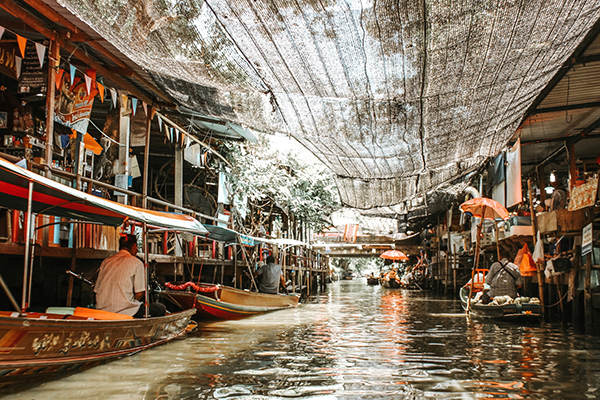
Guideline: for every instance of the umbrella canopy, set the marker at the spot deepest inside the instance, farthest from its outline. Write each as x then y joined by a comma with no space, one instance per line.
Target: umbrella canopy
482,207
395,255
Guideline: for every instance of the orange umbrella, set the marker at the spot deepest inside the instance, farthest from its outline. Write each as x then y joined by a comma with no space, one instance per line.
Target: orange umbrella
482,207
395,255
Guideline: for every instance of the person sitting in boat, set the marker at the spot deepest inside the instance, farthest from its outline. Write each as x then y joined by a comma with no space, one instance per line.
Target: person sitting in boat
121,283
271,277
504,279
408,278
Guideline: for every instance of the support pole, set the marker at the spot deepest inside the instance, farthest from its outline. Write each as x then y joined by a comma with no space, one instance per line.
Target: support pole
538,266
476,264
24,304
53,61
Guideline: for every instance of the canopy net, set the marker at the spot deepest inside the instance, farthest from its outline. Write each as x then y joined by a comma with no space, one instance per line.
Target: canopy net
401,99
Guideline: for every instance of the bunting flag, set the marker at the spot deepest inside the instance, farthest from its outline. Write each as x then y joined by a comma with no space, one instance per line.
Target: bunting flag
18,60
187,142
41,53
58,80
177,135
133,105
101,90
124,100
159,123
145,107
22,44
72,69
171,133
1,32
113,96
152,112
91,73
88,83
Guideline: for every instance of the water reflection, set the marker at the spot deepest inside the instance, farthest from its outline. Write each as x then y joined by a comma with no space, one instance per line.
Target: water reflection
352,342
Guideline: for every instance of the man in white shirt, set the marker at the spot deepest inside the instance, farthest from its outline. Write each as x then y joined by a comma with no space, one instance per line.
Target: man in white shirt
121,283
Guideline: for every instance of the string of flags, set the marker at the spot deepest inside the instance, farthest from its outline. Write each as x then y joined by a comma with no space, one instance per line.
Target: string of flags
91,83
172,131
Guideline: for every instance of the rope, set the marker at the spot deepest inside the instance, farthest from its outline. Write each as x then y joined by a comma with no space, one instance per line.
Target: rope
197,288
559,301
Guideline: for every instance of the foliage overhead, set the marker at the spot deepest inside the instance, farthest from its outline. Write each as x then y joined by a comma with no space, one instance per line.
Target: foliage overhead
263,177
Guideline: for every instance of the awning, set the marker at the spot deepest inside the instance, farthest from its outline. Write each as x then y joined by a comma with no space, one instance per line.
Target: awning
52,198
221,234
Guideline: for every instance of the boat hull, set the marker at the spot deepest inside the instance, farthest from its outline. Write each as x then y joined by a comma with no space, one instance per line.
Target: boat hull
48,344
504,311
230,303
390,284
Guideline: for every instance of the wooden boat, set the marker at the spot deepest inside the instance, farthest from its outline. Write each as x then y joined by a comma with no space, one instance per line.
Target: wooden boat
39,345
372,280
222,302
517,311
390,283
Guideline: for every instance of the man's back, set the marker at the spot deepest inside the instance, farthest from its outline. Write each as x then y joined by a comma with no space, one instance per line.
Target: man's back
271,273
119,278
503,279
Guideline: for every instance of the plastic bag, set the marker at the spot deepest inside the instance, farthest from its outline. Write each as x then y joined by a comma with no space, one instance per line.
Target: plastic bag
538,252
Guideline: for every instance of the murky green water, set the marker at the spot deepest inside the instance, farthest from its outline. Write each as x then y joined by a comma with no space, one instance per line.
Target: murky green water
352,342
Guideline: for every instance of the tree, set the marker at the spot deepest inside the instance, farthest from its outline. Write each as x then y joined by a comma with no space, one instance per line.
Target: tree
264,180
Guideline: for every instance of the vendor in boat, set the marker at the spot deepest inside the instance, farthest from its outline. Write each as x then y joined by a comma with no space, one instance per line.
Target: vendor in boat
271,277
121,283
504,279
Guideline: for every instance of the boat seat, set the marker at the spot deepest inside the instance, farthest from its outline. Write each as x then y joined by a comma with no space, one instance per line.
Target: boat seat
479,279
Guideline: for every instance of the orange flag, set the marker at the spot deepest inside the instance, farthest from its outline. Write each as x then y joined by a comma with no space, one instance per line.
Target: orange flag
59,75
22,44
101,91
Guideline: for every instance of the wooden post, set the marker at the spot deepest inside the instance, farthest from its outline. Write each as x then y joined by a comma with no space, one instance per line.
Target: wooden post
235,259
146,161
475,265
540,276
541,178
122,164
454,266
587,295
53,61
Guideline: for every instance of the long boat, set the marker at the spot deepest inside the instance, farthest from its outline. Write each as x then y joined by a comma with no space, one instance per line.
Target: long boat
223,302
40,345
35,345
513,311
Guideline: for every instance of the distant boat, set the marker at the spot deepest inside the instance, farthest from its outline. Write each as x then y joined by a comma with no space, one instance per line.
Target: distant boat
223,302
372,280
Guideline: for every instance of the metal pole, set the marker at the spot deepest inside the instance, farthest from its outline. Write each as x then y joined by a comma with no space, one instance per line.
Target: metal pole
147,286
24,304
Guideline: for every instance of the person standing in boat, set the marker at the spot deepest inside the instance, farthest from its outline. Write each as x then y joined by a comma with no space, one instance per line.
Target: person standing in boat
271,277
504,279
121,283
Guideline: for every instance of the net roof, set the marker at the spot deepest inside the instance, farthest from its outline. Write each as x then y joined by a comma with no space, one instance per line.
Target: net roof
403,100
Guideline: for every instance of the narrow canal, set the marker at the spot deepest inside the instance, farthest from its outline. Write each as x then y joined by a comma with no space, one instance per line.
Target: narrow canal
353,341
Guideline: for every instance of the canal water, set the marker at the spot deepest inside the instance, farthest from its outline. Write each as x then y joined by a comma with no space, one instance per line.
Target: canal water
353,341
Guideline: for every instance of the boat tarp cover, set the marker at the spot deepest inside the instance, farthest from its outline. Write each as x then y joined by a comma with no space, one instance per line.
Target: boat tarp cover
53,198
401,99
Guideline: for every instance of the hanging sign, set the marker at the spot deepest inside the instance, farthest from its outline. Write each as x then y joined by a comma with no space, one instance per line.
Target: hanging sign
33,78
73,103
587,240
246,240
